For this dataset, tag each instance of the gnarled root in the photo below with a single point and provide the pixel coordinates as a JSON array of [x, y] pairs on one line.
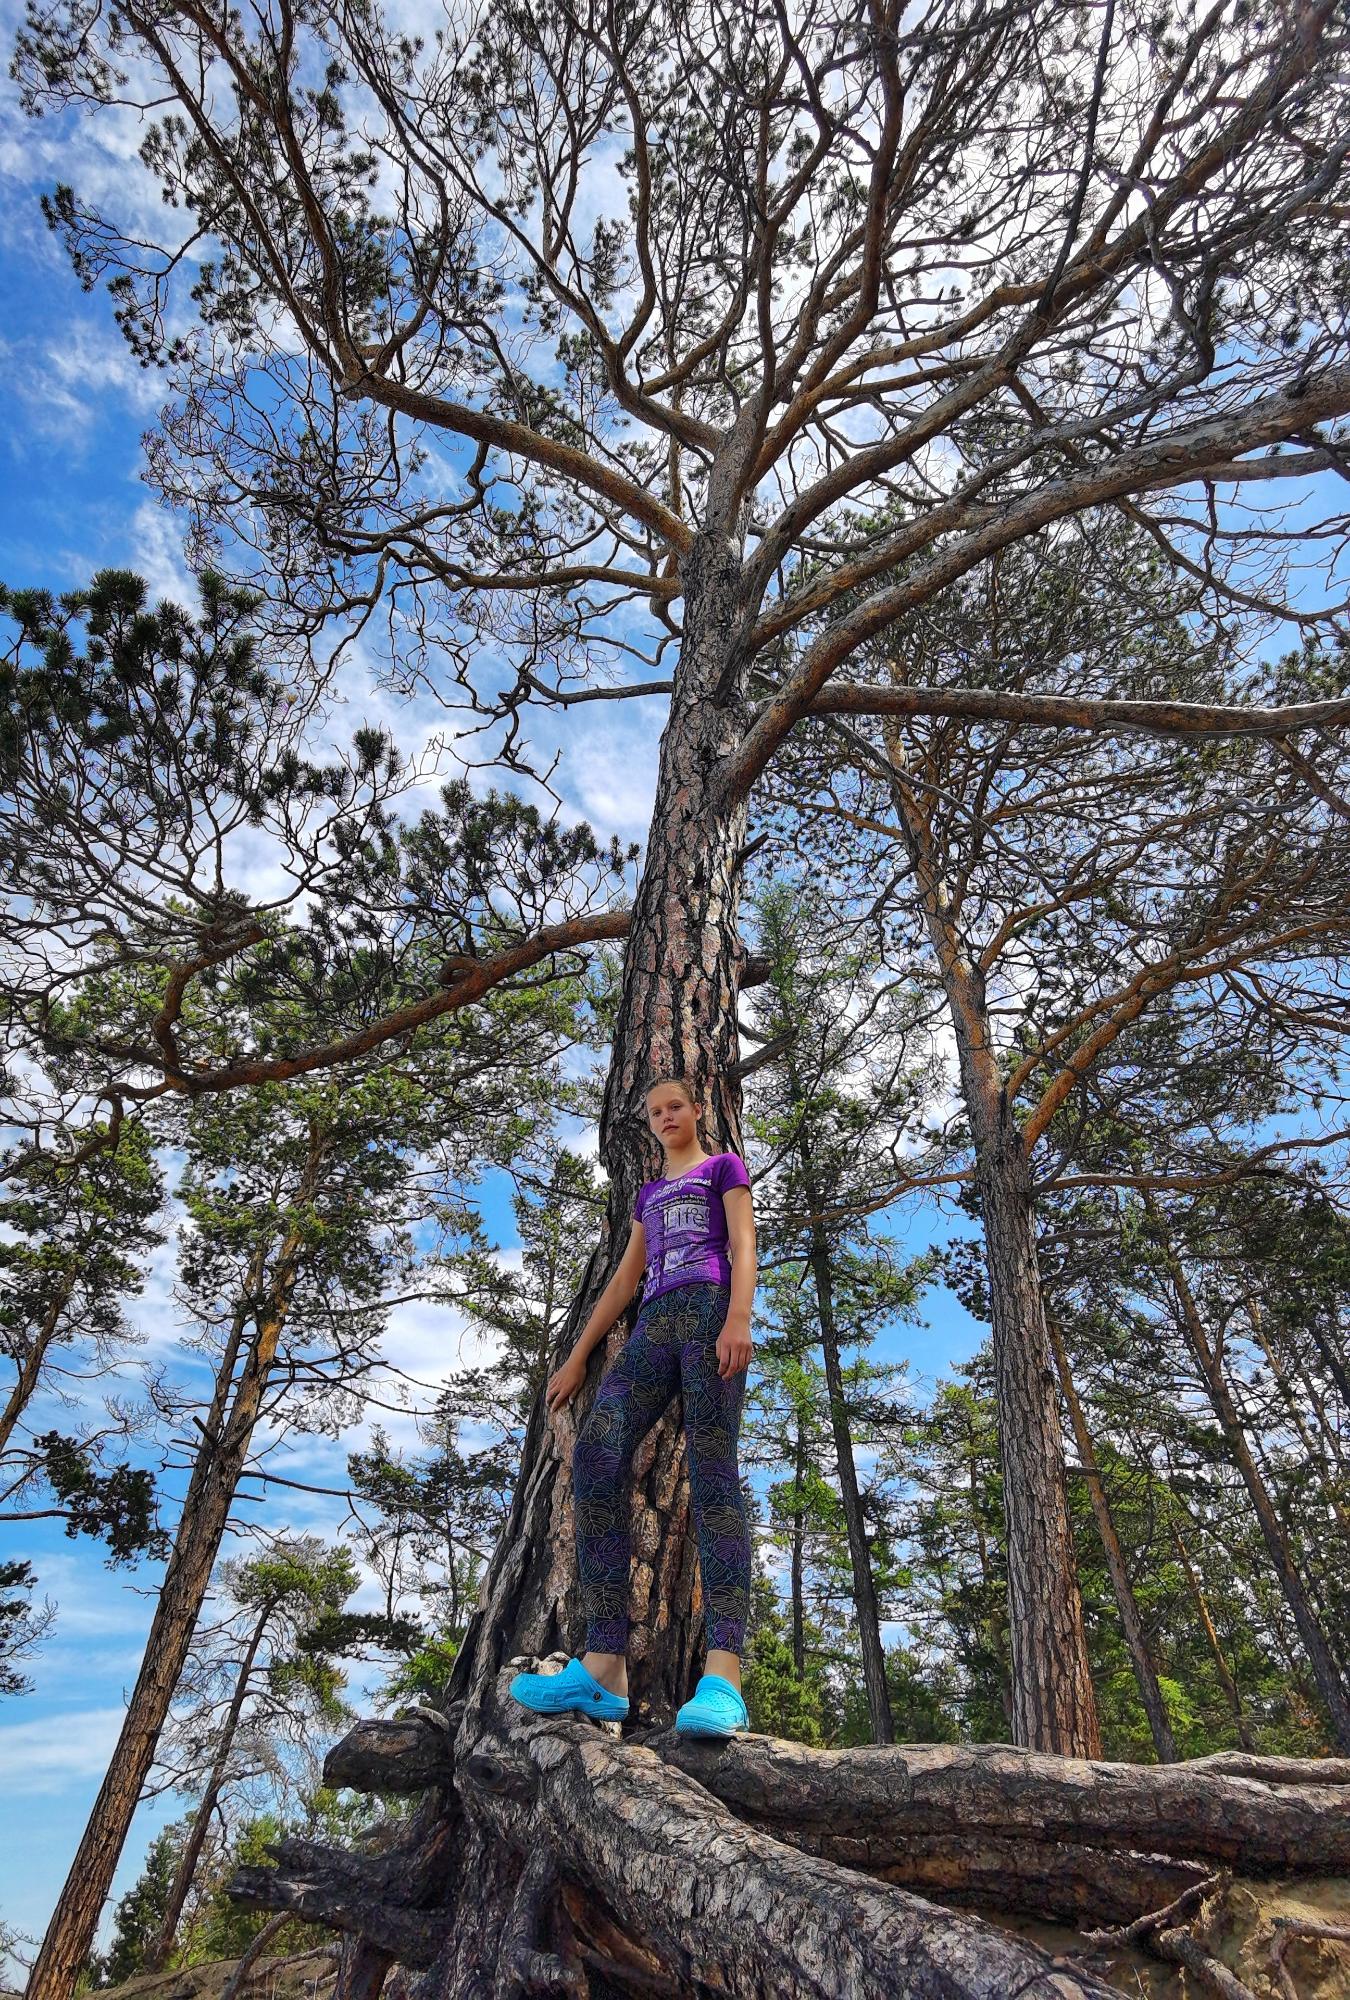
[[523, 1967], [722, 1904], [394, 1901], [868, 1806], [553, 1855]]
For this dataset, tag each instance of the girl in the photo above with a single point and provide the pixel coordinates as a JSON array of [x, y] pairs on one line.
[[693, 1237]]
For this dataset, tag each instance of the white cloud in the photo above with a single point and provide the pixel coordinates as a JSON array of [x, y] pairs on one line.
[[65, 383], [157, 554], [612, 767], [59, 1750]]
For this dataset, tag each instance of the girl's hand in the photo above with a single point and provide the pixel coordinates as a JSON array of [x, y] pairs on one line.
[[564, 1382], [734, 1348]]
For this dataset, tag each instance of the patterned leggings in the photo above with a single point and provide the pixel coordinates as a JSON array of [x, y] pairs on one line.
[[673, 1346]]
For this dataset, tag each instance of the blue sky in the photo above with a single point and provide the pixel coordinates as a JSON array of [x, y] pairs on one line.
[[71, 501]]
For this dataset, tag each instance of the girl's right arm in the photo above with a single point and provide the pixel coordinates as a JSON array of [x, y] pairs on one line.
[[565, 1381]]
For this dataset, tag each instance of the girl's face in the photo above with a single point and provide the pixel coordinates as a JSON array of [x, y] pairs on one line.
[[672, 1117]]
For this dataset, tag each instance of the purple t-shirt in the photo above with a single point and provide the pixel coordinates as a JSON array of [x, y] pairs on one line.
[[685, 1223]]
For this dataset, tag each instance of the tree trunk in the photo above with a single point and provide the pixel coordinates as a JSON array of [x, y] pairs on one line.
[[1207, 1626], [227, 1435], [1317, 1454], [1326, 1668], [1132, 1625], [30, 1367], [676, 1016], [157, 1958], [860, 1556], [1332, 1356], [799, 1555], [1054, 1707]]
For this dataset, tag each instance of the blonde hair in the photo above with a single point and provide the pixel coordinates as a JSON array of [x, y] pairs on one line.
[[679, 1083]]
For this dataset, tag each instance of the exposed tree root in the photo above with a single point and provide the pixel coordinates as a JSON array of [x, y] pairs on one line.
[[412, 1753], [552, 1856], [523, 1967], [393, 1901], [1285, 1930], [1275, 1770], [878, 1799], [1180, 1948], [1072, 1885], [1151, 1920], [361, 1970], [254, 1950], [1157, 1932], [722, 1904]]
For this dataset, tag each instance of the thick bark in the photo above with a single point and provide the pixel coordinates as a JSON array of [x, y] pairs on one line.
[[158, 1956], [361, 1971], [716, 1901], [1131, 1624], [984, 1825], [868, 1805], [227, 1435], [415, 1752], [760, 1867], [1326, 1668], [1054, 1707]]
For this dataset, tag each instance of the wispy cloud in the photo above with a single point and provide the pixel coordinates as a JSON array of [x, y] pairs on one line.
[[58, 1751]]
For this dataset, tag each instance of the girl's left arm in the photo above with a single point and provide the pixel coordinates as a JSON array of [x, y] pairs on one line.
[[733, 1344]]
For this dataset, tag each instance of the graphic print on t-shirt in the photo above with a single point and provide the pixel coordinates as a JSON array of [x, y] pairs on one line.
[[685, 1222]]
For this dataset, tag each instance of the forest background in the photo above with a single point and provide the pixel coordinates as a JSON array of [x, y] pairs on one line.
[[72, 505]]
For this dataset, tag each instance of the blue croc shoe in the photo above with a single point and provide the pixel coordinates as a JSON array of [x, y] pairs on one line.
[[575, 1688], [716, 1709]]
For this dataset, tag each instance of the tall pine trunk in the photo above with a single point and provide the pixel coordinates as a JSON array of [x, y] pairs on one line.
[[1231, 1692], [158, 1956], [1131, 1624], [227, 1436], [1054, 1707], [676, 1015], [860, 1556], [1328, 1672]]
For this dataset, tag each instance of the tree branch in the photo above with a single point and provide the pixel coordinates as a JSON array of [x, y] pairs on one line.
[[1057, 711]]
